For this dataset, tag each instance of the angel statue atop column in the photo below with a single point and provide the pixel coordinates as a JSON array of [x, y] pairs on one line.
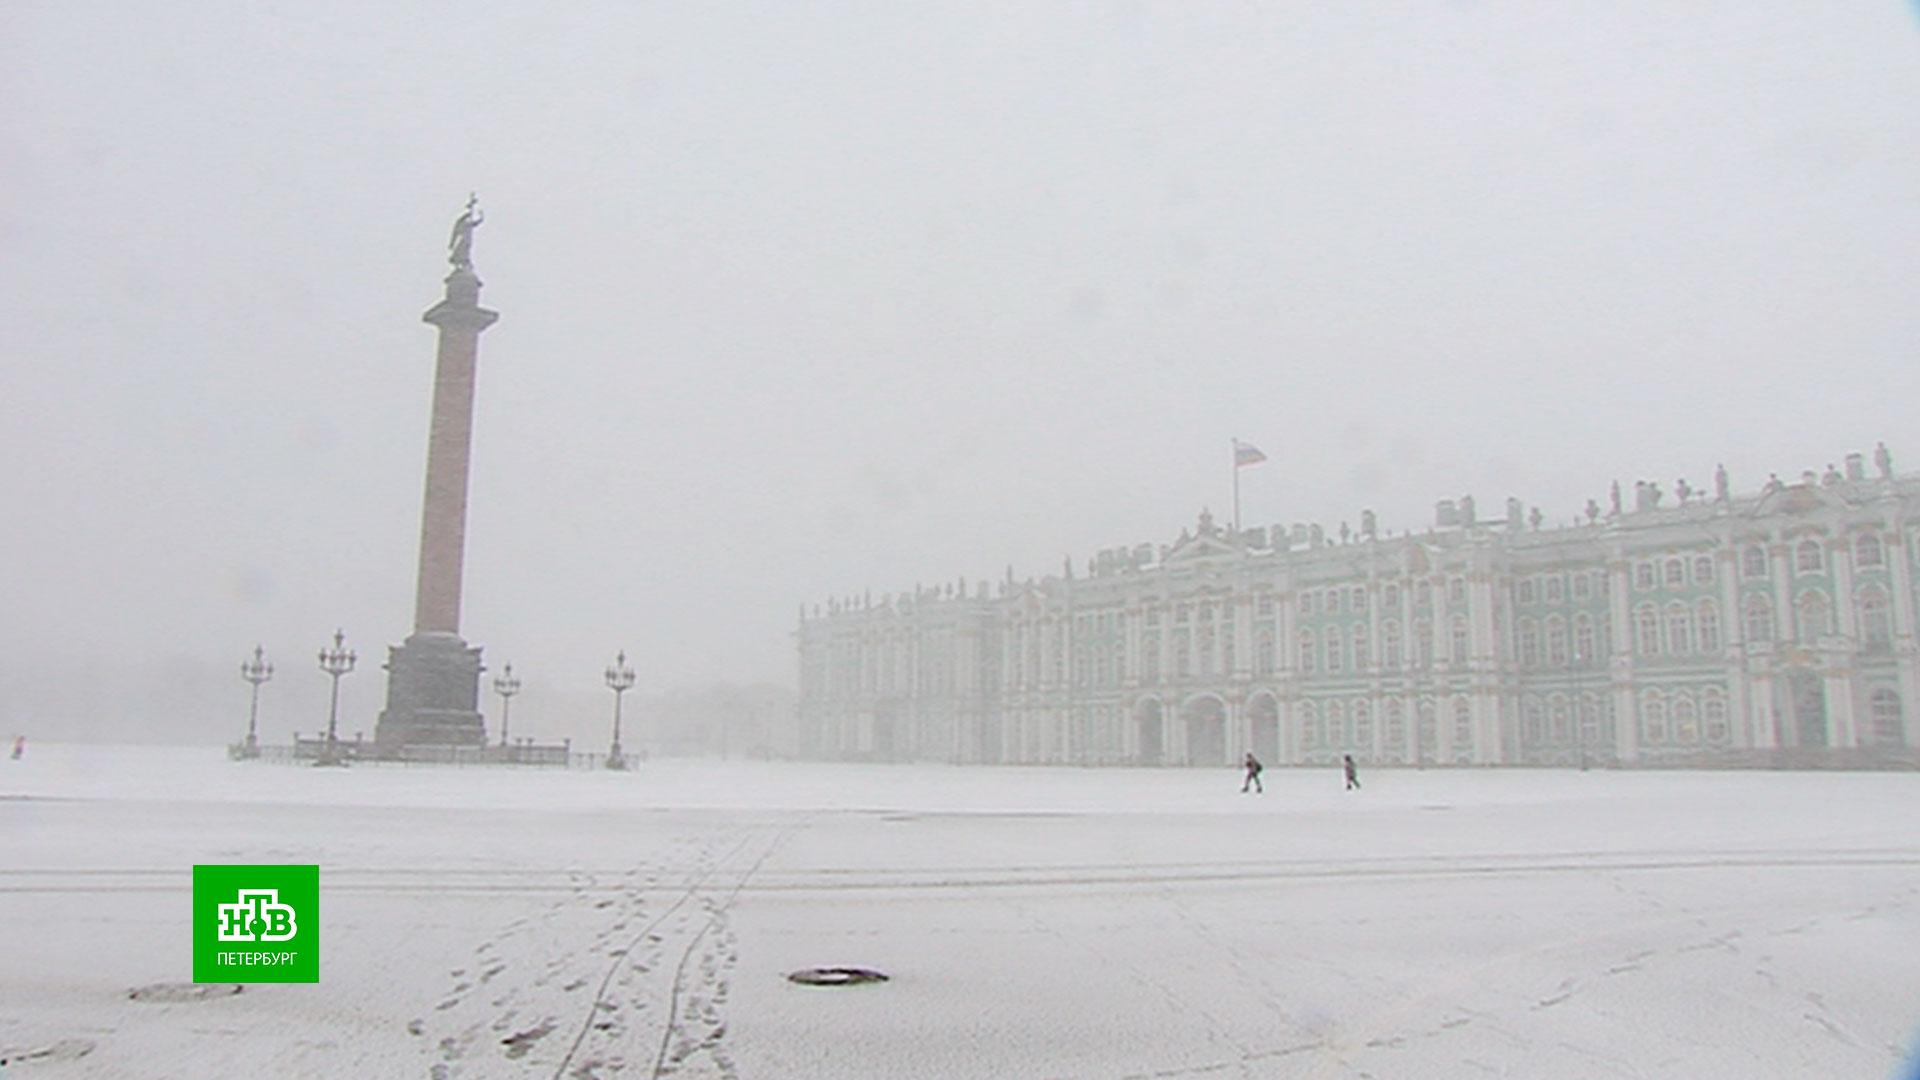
[[460, 243]]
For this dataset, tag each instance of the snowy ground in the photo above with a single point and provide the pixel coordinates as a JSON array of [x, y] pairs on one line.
[[1037, 923]]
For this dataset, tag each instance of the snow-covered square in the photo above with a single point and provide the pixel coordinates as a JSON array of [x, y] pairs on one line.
[[1034, 922]]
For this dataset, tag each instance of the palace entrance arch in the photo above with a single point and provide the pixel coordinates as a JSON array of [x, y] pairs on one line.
[[1263, 727], [1205, 719], [1150, 734]]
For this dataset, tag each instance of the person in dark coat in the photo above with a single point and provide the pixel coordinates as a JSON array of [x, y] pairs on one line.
[[1253, 776], [1353, 771]]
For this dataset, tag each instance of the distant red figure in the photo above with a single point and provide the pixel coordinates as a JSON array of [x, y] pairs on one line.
[[19, 746]]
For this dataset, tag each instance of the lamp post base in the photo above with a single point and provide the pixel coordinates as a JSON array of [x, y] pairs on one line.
[[616, 760]]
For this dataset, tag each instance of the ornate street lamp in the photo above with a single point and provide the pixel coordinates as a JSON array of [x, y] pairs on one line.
[[506, 686], [336, 662], [255, 671], [619, 680]]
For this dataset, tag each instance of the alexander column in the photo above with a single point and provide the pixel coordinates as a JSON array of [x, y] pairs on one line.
[[433, 678]]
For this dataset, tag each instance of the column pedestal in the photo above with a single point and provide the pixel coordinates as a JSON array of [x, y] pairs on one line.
[[433, 694]]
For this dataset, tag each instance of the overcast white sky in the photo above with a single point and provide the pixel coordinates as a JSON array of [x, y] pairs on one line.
[[805, 299]]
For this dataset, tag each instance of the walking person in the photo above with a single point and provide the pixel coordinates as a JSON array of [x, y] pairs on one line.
[[1353, 772], [1253, 776]]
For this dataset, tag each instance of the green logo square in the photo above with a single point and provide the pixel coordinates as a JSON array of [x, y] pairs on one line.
[[256, 924]]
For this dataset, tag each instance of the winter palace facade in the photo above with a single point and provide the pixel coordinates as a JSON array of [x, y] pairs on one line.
[[1775, 628]]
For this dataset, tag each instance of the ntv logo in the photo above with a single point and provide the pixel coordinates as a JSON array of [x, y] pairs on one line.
[[258, 915], [256, 923]]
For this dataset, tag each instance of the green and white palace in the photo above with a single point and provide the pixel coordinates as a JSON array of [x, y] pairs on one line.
[[1687, 628]]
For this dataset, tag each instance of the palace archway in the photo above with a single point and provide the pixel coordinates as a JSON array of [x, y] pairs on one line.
[[1205, 719]]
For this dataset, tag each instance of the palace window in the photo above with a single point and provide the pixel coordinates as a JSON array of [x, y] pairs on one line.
[[1150, 657], [1556, 641], [1889, 727], [1524, 594], [1206, 650], [1653, 718], [1582, 586], [1357, 599], [1556, 589], [1815, 617], [1643, 576], [1153, 618], [1306, 602], [1182, 613], [1462, 730], [1182, 660], [1676, 573], [1336, 724], [1867, 550], [1875, 626], [1679, 630], [1713, 717], [1331, 604], [1534, 728], [1583, 651], [1308, 649], [1759, 619], [1263, 653], [1362, 727], [1708, 626], [1392, 597], [1336, 645], [1646, 631], [1753, 562], [1264, 605], [1457, 641], [1807, 558], [1529, 644], [1390, 644], [1686, 721], [1703, 569], [1457, 592], [1309, 726], [1422, 643], [1362, 648]]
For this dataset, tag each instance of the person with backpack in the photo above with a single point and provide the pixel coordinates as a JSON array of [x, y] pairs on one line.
[[1253, 776]]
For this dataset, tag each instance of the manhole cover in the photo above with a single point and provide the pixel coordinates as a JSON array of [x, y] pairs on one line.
[[172, 993], [835, 976]]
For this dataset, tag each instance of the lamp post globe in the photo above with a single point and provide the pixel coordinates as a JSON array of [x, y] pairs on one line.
[[336, 662], [619, 680]]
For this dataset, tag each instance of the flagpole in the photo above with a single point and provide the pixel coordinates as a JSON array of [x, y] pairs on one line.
[[1234, 456]]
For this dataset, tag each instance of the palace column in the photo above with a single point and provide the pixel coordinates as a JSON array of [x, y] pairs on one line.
[[433, 678]]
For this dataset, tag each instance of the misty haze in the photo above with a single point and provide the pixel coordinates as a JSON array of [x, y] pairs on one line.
[[1097, 540]]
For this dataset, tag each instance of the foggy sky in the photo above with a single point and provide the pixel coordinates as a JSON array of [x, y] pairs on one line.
[[805, 302]]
